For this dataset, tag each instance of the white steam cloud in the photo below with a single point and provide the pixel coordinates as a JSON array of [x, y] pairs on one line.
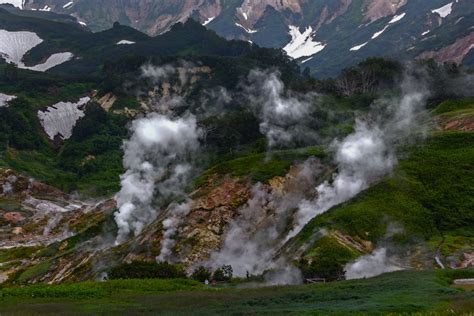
[[157, 161], [253, 241], [282, 115], [366, 155], [371, 265]]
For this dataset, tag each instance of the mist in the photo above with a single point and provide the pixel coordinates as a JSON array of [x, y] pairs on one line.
[[158, 161], [367, 266], [370, 152], [254, 239]]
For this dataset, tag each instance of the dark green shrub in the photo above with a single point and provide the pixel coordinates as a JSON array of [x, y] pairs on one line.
[[223, 273], [147, 270], [201, 274]]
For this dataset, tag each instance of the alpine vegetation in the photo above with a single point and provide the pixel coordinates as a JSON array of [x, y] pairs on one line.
[[368, 153]]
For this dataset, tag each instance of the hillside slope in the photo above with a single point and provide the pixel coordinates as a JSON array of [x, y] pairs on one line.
[[326, 36]]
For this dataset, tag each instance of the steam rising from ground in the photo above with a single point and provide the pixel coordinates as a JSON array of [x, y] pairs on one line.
[[255, 236], [371, 265], [282, 115], [156, 158], [369, 153]]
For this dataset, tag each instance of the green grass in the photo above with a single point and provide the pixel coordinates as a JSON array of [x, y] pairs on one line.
[[399, 292], [454, 106], [430, 193], [261, 167], [34, 271]]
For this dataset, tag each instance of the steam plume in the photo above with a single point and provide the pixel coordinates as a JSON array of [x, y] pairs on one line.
[[367, 154], [371, 265], [282, 115], [156, 158]]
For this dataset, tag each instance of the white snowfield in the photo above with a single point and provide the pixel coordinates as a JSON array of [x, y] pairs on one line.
[[302, 44], [14, 46], [5, 98], [125, 42], [445, 10], [60, 118], [208, 21], [16, 3]]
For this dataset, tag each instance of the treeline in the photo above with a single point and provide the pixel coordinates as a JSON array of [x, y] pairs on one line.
[[164, 270]]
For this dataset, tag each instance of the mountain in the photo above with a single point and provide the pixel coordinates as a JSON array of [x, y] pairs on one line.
[[188, 155], [326, 36]]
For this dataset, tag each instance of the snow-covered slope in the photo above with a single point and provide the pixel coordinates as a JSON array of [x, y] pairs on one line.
[[60, 118], [15, 45], [5, 98], [302, 44], [16, 3]]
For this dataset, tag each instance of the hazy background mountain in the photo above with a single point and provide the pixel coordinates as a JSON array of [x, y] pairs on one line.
[[325, 35]]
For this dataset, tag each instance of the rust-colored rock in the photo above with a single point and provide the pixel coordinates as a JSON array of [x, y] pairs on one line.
[[453, 53]]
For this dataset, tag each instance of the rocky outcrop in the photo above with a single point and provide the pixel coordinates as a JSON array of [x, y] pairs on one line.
[[453, 53], [377, 9], [34, 216]]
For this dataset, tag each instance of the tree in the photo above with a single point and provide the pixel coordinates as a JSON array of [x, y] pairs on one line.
[[223, 273], [201, 274], [11, 73]]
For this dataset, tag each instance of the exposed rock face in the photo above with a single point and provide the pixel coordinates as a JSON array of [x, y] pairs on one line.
[[452, 53], [34, 215], [153, 17], [211, 214], [250, 12], [376, 9]]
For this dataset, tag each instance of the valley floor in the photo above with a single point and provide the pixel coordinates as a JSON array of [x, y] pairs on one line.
[[395, 293]]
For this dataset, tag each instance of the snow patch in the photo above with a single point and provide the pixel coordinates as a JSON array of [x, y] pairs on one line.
[[302, 44], [208, 21], [424, 33], [356, 48], [16, 3], [68, 5], [377, 34], [14, 46], [397, 18], [5, 98], [60, 118], [444, 11], [125, 42], [250, 31], [52, 61]]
